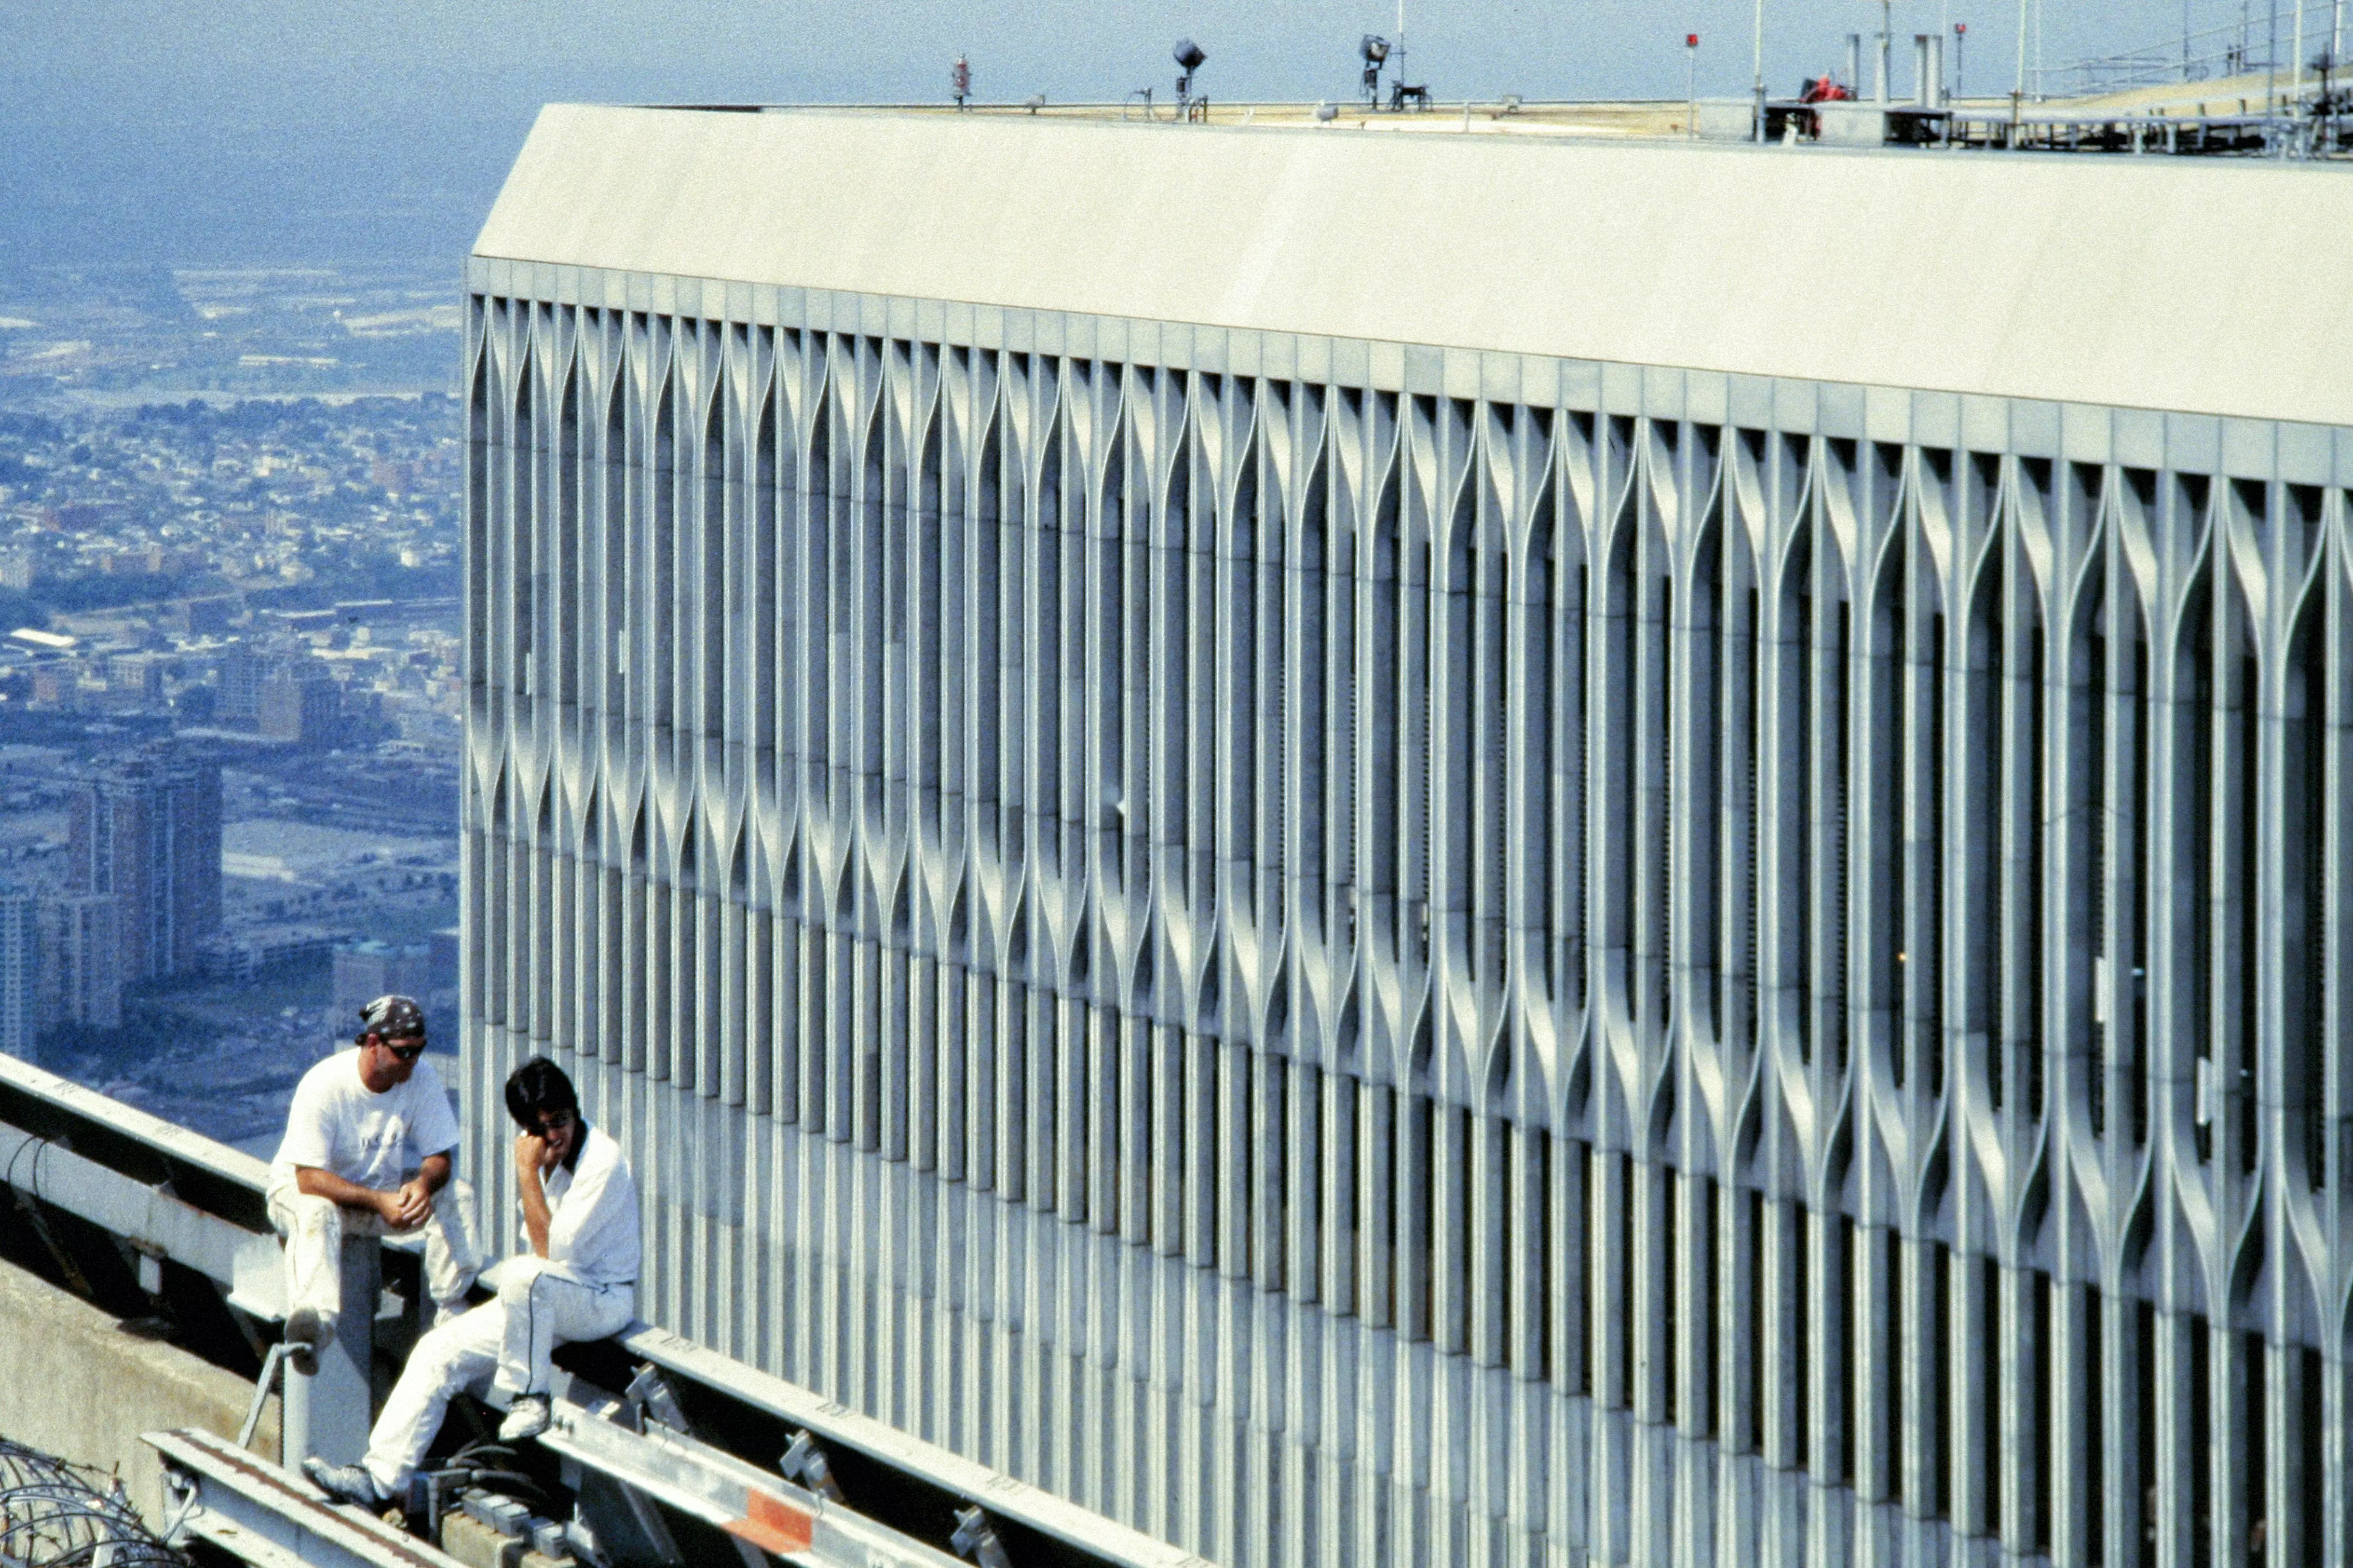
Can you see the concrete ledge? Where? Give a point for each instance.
(74, 1384)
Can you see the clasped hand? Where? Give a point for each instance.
(407, 1206)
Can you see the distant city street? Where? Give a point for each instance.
(228, 530)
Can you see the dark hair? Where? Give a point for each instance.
(539, 1084)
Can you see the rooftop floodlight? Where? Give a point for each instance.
(1188, 56)
(1375, 49)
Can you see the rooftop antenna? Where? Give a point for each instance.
(2296, 54)
(2018, 91)
(1758, 56)
(1396, 53)
(1886, 86)
(1690, 85)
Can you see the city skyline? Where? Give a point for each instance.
(187, 134)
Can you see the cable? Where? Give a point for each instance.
(54, 1514)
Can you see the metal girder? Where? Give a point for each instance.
(1002, 1495)
(178, 1144)
(148, 1217)
(753, 1505)
(261, 1514)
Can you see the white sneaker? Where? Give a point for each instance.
(527, 1417)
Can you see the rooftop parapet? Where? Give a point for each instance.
(2139, 283)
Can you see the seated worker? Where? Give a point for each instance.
(367, 1151)
(578, 1282)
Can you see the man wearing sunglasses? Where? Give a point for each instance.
(367, 1152)
(578, 1281)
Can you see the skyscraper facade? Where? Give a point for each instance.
(146, 831)
(81, 948)
(20, 967)
(1427, 850)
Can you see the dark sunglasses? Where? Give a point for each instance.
(408, 1049)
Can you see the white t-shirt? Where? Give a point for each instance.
(592, 1212)
(337, 1124)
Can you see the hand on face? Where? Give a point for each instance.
(540, 1149)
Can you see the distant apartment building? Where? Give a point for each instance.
(146, 830)
(20, 567)
(80, 945)
(20, 969)
(199, 617)
(55, 686)
(300, 706)
(137, 675)
(364, 970)
(124, 563)
(258, 950)
(243, 672)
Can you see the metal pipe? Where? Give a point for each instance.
(326, 1411)
(2296, 80)
(1691, 91)
(1757, 58)
(1886, 51)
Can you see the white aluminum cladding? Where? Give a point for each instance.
(1378, 971)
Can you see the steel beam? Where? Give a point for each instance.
(755, 1506)
(261, 1514)
(1001, 1495)
(149, 1217)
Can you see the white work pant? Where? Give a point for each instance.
(313, 1229)
(506, 1342)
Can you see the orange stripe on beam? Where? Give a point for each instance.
(772, 1524)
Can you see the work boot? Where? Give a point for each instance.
(527, 1417)
(345, 1483)
(307, 1333)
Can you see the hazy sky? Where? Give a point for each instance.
(254, 131)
